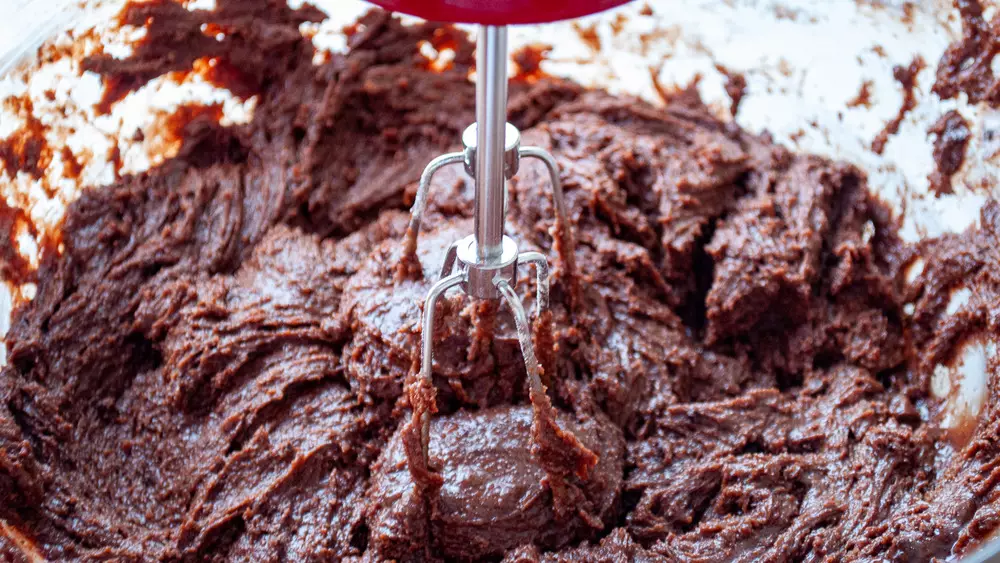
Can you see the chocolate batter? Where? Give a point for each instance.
(215, 365)
(736, 87)
(967, 64)
(907, 78)
(951, 137)
(863, 97)
(14, 267)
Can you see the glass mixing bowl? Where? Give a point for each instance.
(804, 62)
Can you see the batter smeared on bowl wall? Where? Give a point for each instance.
(214, 366)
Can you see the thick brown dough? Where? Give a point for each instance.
(493, 495)
(214, 366)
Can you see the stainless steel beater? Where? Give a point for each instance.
(484, 264)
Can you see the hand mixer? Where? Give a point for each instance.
(484, 264)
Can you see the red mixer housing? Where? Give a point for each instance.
(498, 12)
